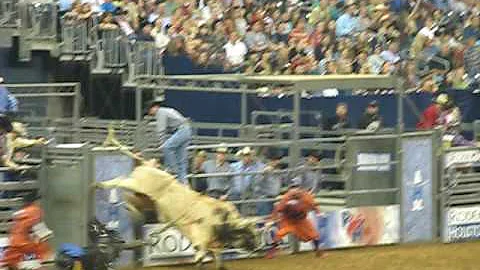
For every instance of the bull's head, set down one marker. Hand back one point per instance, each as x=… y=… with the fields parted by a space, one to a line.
x=246 y=236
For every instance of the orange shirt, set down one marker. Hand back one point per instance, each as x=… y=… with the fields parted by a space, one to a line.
x=295 y=205
x=23 y=221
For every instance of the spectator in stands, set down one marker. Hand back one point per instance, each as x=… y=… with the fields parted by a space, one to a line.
x=347 y=22
x=175 y=134
x=218 y=186
x=391 y=54
x=255 y=39
x=340 y=120
x=235 y=51
x=268 y=187
x=146 y=34
x=107 y=22
x=308 y=174
x=242 y=185
x=472 y=57
x=199 y=184
x=371 y=119
x=430 y=116
x=8 y=103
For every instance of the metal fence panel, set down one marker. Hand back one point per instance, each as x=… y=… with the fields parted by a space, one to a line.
x=39 y=19
x=145 y=60
x=8 y=13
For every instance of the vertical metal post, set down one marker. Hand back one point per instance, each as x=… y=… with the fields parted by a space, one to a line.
x=244 y=111
x=399 y=167
x=294 y=149
x=436 y=157
x=138 y=104
x=76 y=112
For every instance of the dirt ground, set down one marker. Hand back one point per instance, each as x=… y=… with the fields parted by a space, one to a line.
x=463 y=256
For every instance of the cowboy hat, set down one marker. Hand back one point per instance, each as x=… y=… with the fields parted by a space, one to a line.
x=222 y=149
x=245 y=151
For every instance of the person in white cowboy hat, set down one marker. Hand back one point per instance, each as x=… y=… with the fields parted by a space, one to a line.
x=217 y=187
x=242 y=185
x=175 y=133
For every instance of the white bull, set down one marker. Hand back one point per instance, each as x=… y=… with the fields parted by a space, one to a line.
x=208 y=223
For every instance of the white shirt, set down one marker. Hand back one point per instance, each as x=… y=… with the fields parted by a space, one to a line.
x=161 y=40
x=427 y=32
x=235 y=53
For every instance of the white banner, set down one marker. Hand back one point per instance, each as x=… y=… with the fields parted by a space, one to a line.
x=461 y=157
x=462 y=223
x=171 y=247
x=367 y=162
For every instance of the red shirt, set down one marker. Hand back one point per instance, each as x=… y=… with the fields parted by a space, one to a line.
x=429 y=117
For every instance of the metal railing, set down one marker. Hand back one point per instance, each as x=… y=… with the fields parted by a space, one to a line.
x=145 y=61
x=8 y=13
x=75 y=36
x=111 y=49
x=38 y=19
x=47 y=100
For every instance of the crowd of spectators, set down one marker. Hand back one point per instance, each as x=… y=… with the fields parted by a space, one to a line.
x=254 y=175
x=432 y=43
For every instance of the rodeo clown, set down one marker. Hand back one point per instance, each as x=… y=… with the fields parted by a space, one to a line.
x=28 y=235
x=291 y=215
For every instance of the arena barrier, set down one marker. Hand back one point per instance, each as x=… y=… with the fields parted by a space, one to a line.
x=144 y=61
x=38 y=27
x=460 y=201
x=111 y=51
x=8 y=14
x=392 y=172
x=36 y=100
x=79 y=37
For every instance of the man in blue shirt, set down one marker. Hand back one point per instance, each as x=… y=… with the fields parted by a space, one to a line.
x=347 y=23
x=175 y=133
x=8 y=103
x=242 y=185
x=268 y=186
x=218 y=186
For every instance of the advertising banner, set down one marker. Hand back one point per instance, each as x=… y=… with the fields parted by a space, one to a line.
x=462 y=224
x=417 y=189
x=355 y=227
x=373 y=162
x=108 y=202
x=171 y=247
x=461 y=157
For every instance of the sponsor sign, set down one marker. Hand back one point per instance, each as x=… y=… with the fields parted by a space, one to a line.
x=171 y=247
x=462 y=224
x=355 y=227
x=461 y=157
x=373 y=162
x=352 y=227
x=417 y=189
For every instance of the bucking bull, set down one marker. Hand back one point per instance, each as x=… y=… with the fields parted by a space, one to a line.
x=209 y=224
